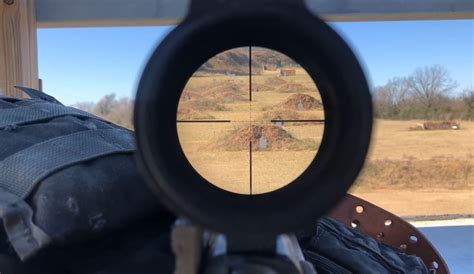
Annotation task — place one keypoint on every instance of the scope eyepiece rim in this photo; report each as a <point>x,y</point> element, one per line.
<point>347,105</point>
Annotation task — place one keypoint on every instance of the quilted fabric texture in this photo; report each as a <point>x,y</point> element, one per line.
<point>80,202</point>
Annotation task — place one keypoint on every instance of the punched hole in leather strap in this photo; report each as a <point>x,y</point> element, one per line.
<point>389,229</point>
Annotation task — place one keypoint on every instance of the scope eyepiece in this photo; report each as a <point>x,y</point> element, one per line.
<point>177,102</point>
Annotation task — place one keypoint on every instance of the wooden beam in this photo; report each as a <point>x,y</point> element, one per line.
<point>391,10</point>
<point>95,13</point>
<point>104,13</point>
<point>18,46</point>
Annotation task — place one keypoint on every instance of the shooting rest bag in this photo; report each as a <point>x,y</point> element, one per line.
<point>66,176</point>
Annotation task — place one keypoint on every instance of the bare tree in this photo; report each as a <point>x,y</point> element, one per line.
<point>429,85</point>
<point>106,104</point>
<point>118,111</point>
<point>468,99</point>
<point>390,98</point>
<point>85,106</point>
<point>122,113</point>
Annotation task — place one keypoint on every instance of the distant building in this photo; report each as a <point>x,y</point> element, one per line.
<point>269,67</point>
<point>287,72</point>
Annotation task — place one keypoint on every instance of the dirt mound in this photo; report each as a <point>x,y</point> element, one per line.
<point>275,81</point>
<point>264,56</point>
<point>236,61</point>
<point>263,138</point>
<point>445,125</point>
<point>302,102</point>
<point>293,87</point>
<point>227,92</point>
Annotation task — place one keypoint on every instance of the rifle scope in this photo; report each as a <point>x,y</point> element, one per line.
<point>252,117</point>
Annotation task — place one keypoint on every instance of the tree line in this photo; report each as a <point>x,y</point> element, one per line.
<point>427,93</point>
<point>111,108</point>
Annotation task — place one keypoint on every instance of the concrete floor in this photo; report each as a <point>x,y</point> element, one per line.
<point>456,245</point>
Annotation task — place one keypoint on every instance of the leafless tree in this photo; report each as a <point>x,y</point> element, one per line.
<point>106,104</point>
<point>428,86</point>
<point>467,98</point>
<point>118,111</point>
<point>390,98</point>
<point>85,106</point>
<point>122,113</point>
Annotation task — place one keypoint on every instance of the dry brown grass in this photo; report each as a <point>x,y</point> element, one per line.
<point>420,202</point>
<point>419,172</point>
<point>392,141</point>
<point>446,173</point>
<point>407,172</point>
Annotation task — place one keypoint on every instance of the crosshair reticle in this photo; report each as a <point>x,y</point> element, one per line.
<point>250,120</point>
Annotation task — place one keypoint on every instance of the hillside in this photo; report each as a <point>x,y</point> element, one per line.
<point>236,61</point>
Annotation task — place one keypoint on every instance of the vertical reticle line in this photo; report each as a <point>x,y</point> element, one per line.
<point>250,177</point>
<point>250,74</point>
<point>250,120</point>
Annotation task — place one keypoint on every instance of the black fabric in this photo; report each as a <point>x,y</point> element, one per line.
<point>36,94</point>
<point>324,265</point>
<point>350,250</point>
<point>86,201</point>
<point>142,248</point>
<point>24,236</point>
<point>38,112</point>
<point>48,157</point>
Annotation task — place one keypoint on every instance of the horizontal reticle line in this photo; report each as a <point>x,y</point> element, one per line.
<point>297,121</point>
<point>203,121</point>
<point>230,121</point>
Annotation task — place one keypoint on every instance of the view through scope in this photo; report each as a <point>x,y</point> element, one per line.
<point>250,120</point>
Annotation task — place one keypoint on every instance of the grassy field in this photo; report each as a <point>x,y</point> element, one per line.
<point>410,173</point>
<point>220,152</point>
<point>419,172</point>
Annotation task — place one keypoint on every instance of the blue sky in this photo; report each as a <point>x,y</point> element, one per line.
<point>83,64</point>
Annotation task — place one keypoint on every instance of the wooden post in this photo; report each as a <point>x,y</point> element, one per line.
<point>18,46</point>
